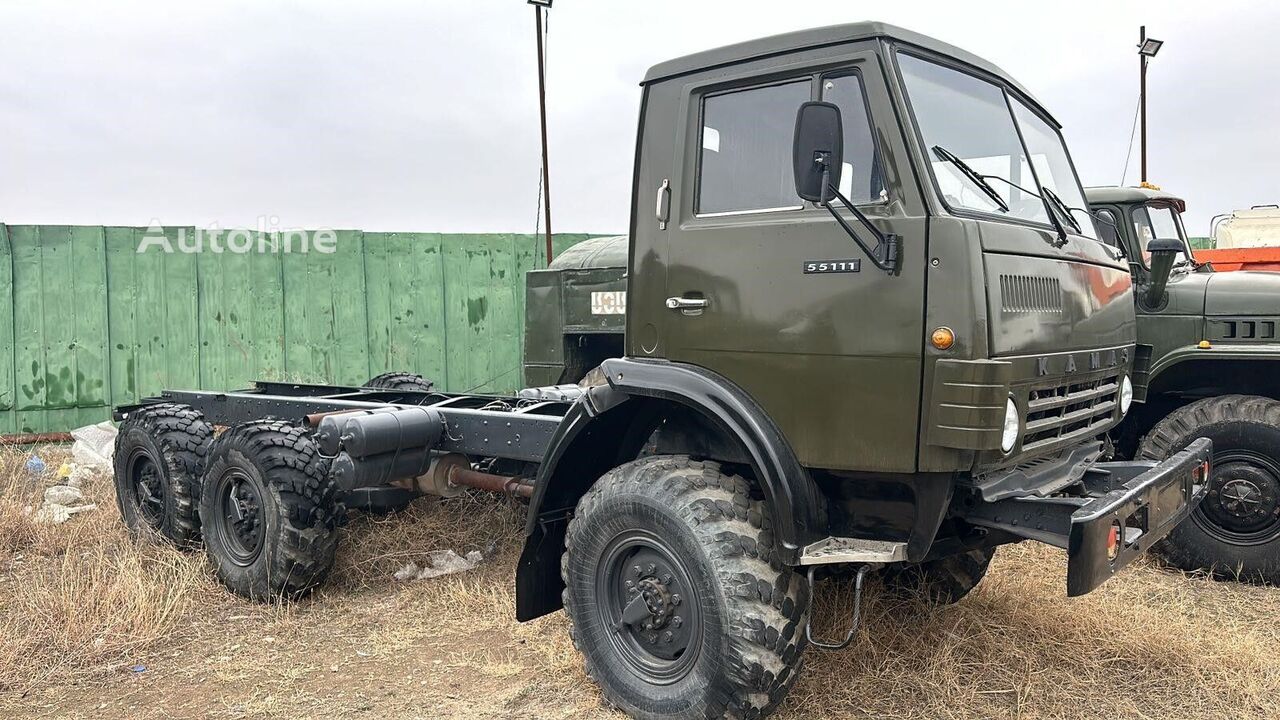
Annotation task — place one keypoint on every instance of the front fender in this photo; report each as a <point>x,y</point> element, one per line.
<point>594,438</point>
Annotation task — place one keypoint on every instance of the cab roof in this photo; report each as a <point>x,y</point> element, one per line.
<point>1125,195</point>
<point>823,37</point>
<point>593,253</point>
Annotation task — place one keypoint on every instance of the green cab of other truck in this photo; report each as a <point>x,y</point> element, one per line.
<point>1207,364</point>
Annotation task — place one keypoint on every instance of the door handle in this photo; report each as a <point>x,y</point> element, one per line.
<point>663,205</point>
<point>686,303</point>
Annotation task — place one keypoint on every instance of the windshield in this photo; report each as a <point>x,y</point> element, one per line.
<point>1154,221</point>
<point>1053,166</point>
<point>962,117</point>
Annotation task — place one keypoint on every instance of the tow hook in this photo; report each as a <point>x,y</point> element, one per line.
<point>857,612</point>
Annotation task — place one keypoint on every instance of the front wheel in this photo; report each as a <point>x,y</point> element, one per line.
<point>675,597</point>
<point>1235,531</point>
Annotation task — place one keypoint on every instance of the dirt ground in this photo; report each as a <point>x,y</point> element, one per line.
<point>94,624</point>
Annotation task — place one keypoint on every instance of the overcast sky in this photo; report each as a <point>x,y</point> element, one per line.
<point>422,115</point>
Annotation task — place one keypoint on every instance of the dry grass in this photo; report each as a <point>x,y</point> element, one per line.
<point>84,596</point>
<point>83,602</point>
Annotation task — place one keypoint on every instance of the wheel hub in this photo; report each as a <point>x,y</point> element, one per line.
<point>242,516</point>
<point>1243,502</point>
<point>1241,498</point>
<point>654,622</point>
<point>148,489</point>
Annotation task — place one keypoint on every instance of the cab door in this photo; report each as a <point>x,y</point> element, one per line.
<point>769,291</point>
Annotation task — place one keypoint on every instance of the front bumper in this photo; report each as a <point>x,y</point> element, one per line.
<point>1108,518</point>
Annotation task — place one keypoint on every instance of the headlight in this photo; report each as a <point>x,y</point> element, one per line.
<point>1011,426</point>
<point>1126,395</point>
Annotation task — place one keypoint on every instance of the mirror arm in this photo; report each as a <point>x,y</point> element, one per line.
<point>885,254</point>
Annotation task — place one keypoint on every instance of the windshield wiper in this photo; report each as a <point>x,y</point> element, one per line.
<point>974,176</point>
<point>1062,208</point>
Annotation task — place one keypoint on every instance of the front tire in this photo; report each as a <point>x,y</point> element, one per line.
<point>269,510</point>
<point>944,580</point>
<point>1235,531</point>
<point>675,596</point>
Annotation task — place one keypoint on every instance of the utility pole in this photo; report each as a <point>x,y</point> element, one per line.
<point>1142,93</point>
<point>538,5</point>
<point>1147,48</point>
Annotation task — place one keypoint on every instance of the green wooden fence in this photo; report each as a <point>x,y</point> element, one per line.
<point>88,322</point>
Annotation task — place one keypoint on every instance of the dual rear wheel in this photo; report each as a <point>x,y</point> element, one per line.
<point>259,493</point>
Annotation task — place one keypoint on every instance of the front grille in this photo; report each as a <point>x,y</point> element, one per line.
<point>1058,415</point>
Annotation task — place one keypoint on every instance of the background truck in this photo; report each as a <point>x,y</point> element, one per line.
<point>1245,240</point>
<point>1208,364</point>
<point>901,383</point>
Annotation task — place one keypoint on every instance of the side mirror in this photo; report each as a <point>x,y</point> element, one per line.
<point>1163,251</point>
<point>1107,229</point>
<point>818,151</point>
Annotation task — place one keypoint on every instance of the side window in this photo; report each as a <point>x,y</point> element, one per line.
<point>1108,227</point>
<point>744,161</point>
<point>861,180</point>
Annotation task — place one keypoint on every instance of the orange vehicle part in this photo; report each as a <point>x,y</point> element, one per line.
<point>1226,259</point>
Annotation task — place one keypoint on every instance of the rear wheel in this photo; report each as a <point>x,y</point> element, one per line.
<point>400,381</point>
<point>944,580</point>
<point>675,596</point>
<point>159,456</point>
<point>1235,531</point>
<point>269,510</point>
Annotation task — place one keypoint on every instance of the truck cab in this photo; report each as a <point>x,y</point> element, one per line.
<point>731,272</point>
<point>1206,364</point>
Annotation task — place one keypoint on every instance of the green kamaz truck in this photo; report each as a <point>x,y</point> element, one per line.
<point>868,326</point>
<point>1207,364</point>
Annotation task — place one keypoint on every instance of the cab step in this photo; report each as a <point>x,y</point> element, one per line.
<point>853,550</point>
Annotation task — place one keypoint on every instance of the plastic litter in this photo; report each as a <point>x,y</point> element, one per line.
<point>94,445</point>
<point>440,562</point>
<point>35,466</point>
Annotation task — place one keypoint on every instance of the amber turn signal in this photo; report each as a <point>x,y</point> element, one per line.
<point>1205,345</point>
<point>943,338</point>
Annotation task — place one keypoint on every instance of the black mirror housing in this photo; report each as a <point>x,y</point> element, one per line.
<point>1163,251</point>
<point>818,151</point>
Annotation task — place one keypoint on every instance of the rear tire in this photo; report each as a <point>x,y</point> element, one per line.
<point>400,381</point>
<point>944,580</point>
<point>159,457</point>
<point>686,546</point>
<point>1235,531</point>
<point>270,511</point>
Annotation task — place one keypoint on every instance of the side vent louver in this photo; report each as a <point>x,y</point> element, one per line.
<point>1255,329</point>
<point>1030,294</point>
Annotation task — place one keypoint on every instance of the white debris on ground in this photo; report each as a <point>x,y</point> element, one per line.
<point>94,445</point>
<point>91,454</point>
<point>440,562</point>
<point>61,502</point>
